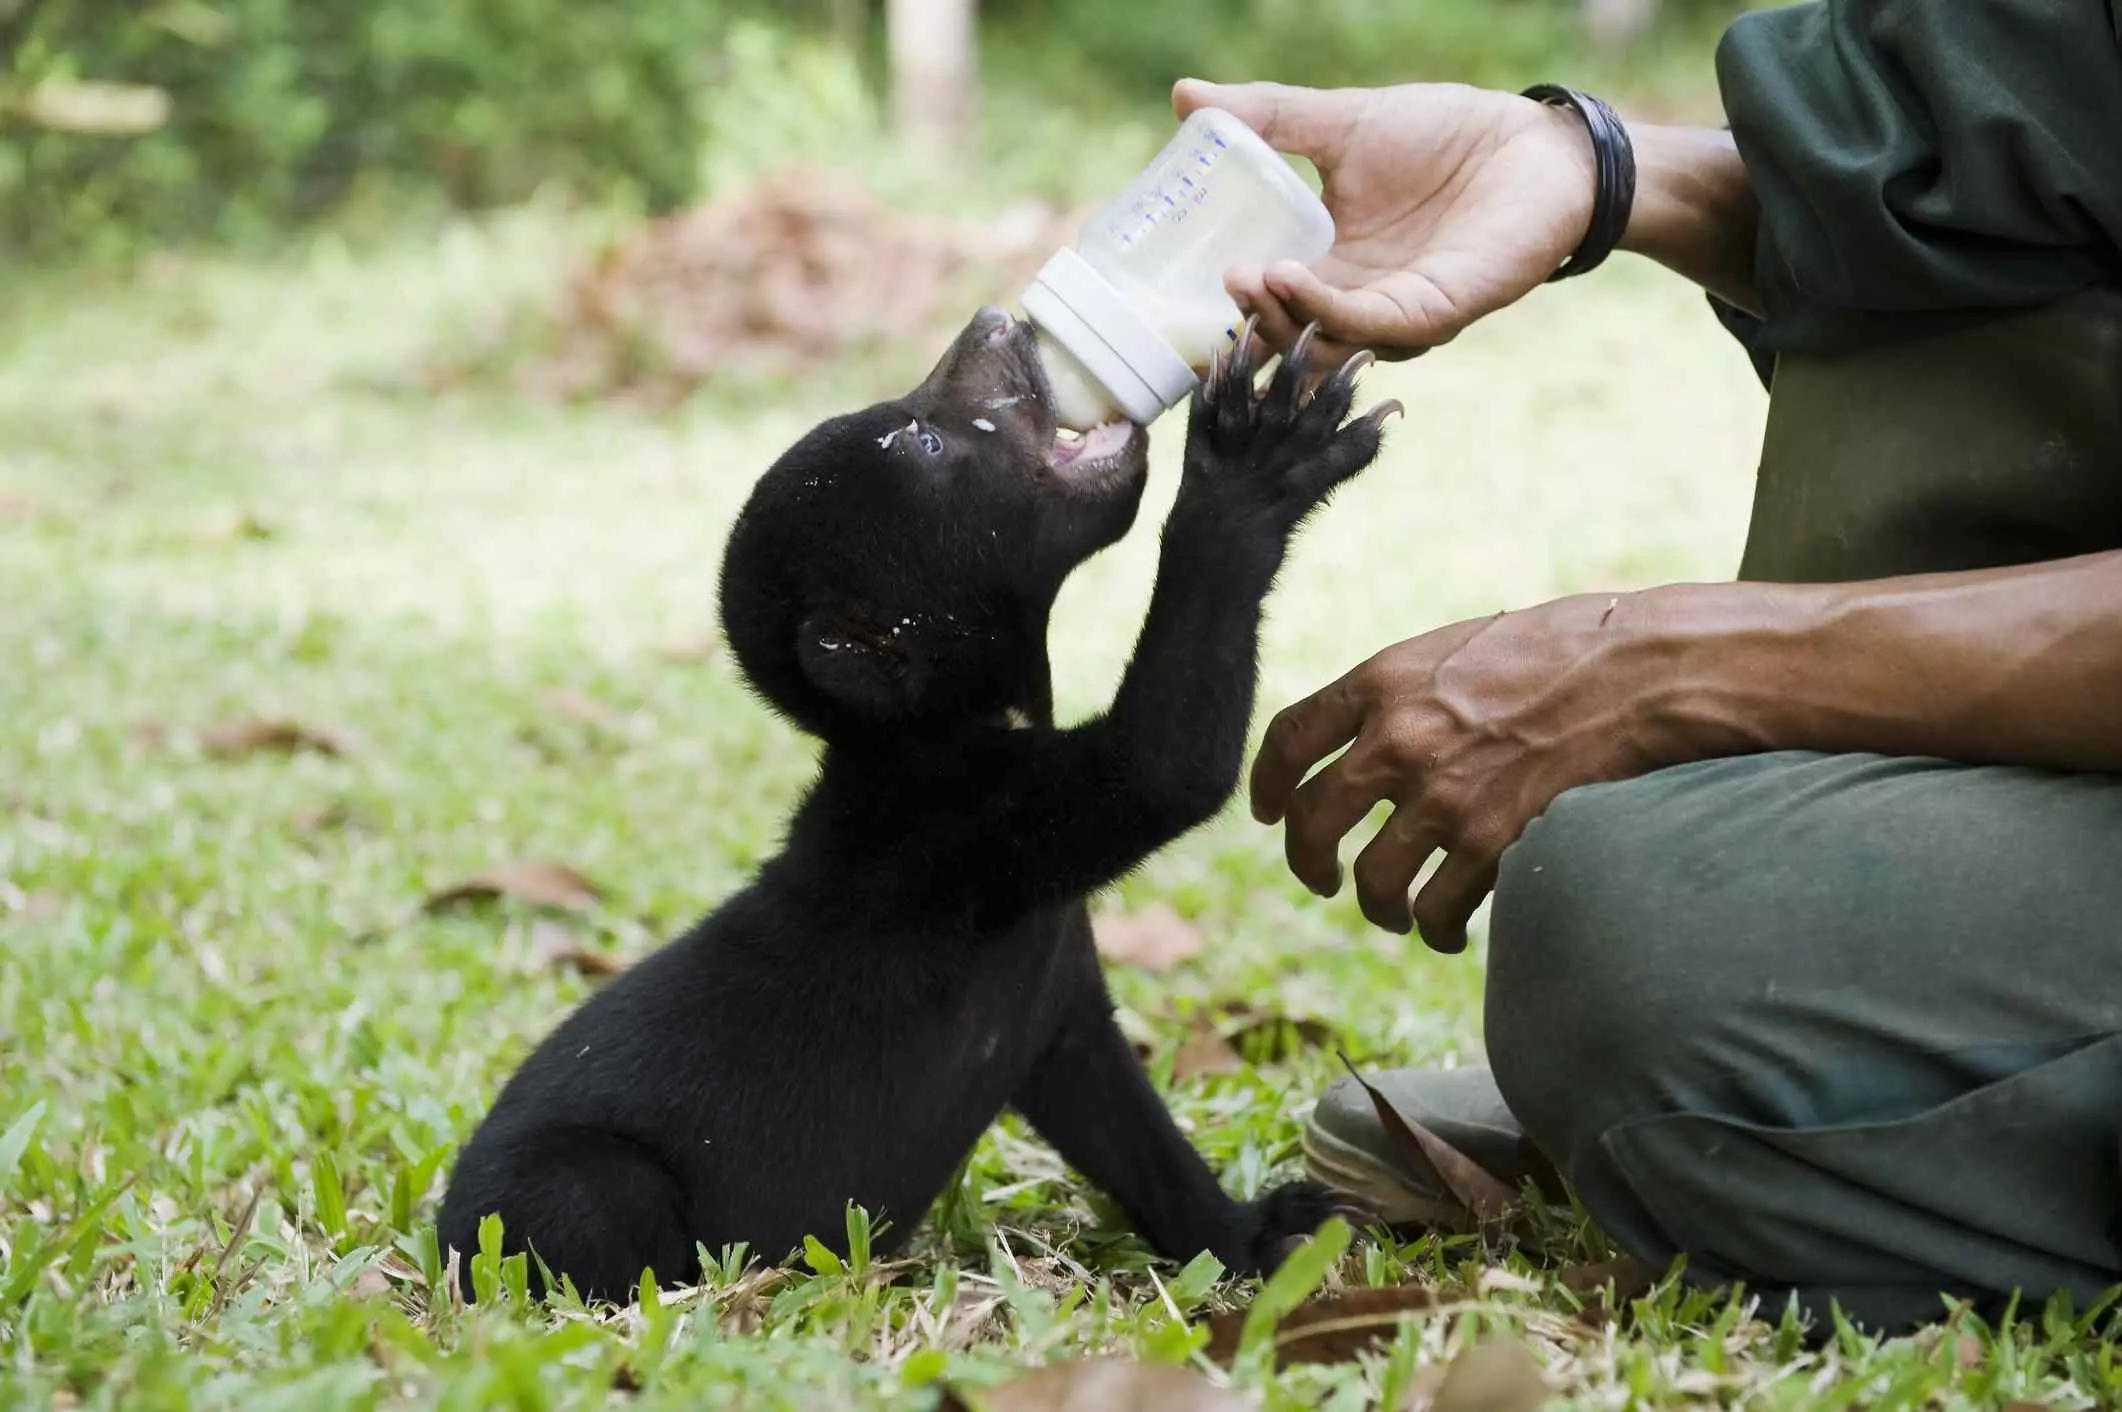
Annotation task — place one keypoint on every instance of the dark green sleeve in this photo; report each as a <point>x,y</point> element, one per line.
<point>1924,161</point>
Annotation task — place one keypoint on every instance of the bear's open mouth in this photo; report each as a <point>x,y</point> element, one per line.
<point>1093,453</point>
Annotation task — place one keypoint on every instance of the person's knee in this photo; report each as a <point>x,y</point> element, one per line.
<point>1595,979</point>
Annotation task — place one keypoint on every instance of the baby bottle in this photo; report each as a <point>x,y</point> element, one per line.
<point>1129,317</point>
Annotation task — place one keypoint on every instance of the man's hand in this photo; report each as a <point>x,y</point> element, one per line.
<point>1469,733</point>
<point>1450,203</point>
<point>1453,202</point>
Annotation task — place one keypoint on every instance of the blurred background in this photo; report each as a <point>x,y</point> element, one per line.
<point>392,370</point>
<point>237,119</point>
<point>378,380</point>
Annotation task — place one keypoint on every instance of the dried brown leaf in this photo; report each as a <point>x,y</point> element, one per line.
<point>540,881</point>
<point>694,653</point>
<point>577,706</point>
<point>1101,1385</point>
<point>1477,1190</point>
<point>1274,1039</point>
<point>254,735</point>
<point>237,529</point>
<point>397,1267</point>
<point>1630,1278</point>
<point>322,817</point>
<point>1497,1280</point>
<point>28,906</point>
<point>370,1284</point>
<point>1495,1375</point>
<point>21,509</point>
<point>1208,1053</point>
<point>96,109</point>
<point>1155,938</point>
<point>1335,1328</point>
<point>558,948</point>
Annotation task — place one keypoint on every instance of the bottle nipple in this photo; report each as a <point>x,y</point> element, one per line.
<point>1079,402</point>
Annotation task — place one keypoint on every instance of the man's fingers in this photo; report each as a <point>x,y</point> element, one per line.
<point>1277,330</point>
<point>1451,897</point>
<point>1298,738</point>
<point>1322,811</point>
<point>1365,317</point>
<point>1387,866</point>
<point>1310,122</point>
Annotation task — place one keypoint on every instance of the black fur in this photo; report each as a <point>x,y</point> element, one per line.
<point>919,954</point>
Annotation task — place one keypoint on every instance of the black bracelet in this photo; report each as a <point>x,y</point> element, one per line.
<point>1614,191</point>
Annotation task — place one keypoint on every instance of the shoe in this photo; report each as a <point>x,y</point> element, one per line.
<point>1348,1150</point>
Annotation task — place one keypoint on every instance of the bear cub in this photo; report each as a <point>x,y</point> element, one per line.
<point>918,955</point>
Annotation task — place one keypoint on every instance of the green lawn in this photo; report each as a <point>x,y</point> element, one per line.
<point>235,1054</point>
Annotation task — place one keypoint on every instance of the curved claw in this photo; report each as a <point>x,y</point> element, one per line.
<point>1357,362</point>
<point>1215,376</point>
<point>1389,408</point>
<point>1296,366</point>
<point>1302,348</point>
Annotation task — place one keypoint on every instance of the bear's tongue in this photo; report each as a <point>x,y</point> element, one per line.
<point>1097,444</point>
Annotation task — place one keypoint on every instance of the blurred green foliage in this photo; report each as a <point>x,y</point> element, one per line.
<point>278,108</point>
<point>279,111</point>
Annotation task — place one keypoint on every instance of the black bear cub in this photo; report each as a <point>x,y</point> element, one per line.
<point>919,955</point>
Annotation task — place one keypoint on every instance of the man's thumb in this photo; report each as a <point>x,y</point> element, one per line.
<point>1310,122</point>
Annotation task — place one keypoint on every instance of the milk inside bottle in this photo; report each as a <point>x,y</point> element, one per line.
<point>1130,316</point>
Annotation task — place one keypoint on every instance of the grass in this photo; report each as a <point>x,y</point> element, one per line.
<point>235,1055</point>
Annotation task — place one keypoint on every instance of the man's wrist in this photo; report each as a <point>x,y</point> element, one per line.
<point>1694,211</point>
<point>1730,662</point>
<point>1612,171</point>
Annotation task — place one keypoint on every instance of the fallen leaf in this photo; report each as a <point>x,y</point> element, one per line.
<point>1496,1375</point>
<point>318,819</point>
<point>256,736</point>
<point>28,906</point>
<point>1336,1328</point>
<point>1208,1053</point>
<point>577,707</point>
<point>1629,1277</point>
<point>1487,1198</point>
<point>1155,939</point>
<point>96,109</point>
<point>370,1283</point>
<point>236,530</point>
<point>1496,1280</point>
<point>21,509</point>
<point>558,948</point>
<point>1275,1039</point>
<point>690,654</point>
<point>1101,1385</point>
<point>545,883</point>
<point>397,1267</point>
<point>153,734</point>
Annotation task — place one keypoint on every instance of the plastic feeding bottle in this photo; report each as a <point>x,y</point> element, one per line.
<point>1129,318</point>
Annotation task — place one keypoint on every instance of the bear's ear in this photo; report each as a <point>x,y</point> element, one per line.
<point>868,665</point>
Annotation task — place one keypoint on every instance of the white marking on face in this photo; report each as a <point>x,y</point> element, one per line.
<point>889,437</point>
<point>983,423</point>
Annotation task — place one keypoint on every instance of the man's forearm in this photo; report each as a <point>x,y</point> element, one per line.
<point>1694,211</point>
<point>2017,666</point>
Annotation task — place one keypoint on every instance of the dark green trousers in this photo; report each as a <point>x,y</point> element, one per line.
<point>1847,1028</point>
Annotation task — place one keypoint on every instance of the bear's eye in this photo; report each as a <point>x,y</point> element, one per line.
<point>931,444</point>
